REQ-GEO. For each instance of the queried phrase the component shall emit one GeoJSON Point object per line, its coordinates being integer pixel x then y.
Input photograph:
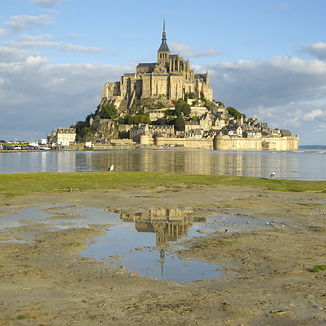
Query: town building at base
{"type": "Point", "coordinates": [62, 136]}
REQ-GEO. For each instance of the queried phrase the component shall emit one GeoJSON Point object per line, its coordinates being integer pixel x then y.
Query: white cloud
{"type": "Point", "coordinates": [74, 35]}
{"type": "Point", "coordinates": [25, 22]}
{"type": "Point", "coordinates": [8, 54]}
{"type": "Point", "coordinates": [283, 6]}
{"type": "Point", "coordinates": [314, 114]}
{"type": "Point", "coordinates": [128, 37]}
{"type": "Point", "coordinates": [276, 81]}
{"type": "Point", "coordinates": [47, 3]}
{"type": "Point", "coordinates": [77, 48]}
{"type": "Point", "coordinates": [35, 61]}
{"type": "Point", "coordinates": [36, 97]}
{"type": "Point", "coordinates": [188, 52]}
{"type": "Point", "coordinates": [317, 50]}
{"type": "Point", "coordinates": [28, 41]}
{"type": "Point", "coordinates": [284, 92]}
{"type": "Point", "coordinates": [3, 32]}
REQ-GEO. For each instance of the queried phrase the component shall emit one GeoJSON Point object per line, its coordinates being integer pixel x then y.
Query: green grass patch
{"type": "Point", "coordinates": [17, 184]}
{"type": "Point", "coordinates": [199, 246]}
{"type": "Point", "coordinates": [226, 242]}
{"type": "Point", "coordinates": [72, 244]}
{"type": "Point", "coordinates": [26, 265]}
{"type": "Point", "coordinates": [214, 244]}
{"type": "Point", "coordinates": [318, 268]}
{"type": "Point", "coordinates": [22, 317]}
{"type": "Point", "coordinates": [311, 204]}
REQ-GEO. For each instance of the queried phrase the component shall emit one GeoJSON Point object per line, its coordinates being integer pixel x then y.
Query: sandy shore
{"type": "Point", "coordinates": [266, 277]}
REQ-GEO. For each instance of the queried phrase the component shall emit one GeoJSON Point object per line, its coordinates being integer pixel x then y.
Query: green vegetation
{"type": "Point", "coordinates": [109, 111]}
{"type": "Point", "coordinates": [22, 317]}
{"type": "Point", "coordinates": [199, 246]}
{"type": "Point", "coordinates": [234, 112]}
{"type": "Point", "coordinates": [72, 244]}
{"type": "Point", "coordinates": [210, 105]}
{"type": "Point", "coordinates": [26, 266]}
{"type": "Point", "coordinates": [12, 185]}
{"type": "Point", "coordinates": [182, 108]}
{"type": "Point", "coordinates": [226, 242]}
{"type": "Point", "coordinates": [179, 124]}
{"type": "Point", "coordinates": [310, 204]}
{"type": "Point", "coordinates": [136, 119]}
{"type": "Point", "coordinates": [190, 95]}
{"type": "Point", "coordinates": [215, 244]}
{"type": "Point", "coordinates": [318, 268]}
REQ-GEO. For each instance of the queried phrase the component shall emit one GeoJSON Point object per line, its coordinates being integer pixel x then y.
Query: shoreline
{"type": "Point", "coordinates": [266, 277]}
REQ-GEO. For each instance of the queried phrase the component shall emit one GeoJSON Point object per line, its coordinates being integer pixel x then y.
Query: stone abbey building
{"type": "Point", "coordinates": [168, 78]}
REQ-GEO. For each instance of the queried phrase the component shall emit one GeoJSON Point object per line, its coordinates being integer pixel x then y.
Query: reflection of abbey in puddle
{"type": "Point", "coordinates": [167, 224]}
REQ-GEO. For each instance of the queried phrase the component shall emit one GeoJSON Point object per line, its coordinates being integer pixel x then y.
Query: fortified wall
{"type": "Point", "coordinates": [227, 143]}
{"type": "Point", "coordinates": [256, 144]}
{"type": "Point", "coordinates": [191, 143]}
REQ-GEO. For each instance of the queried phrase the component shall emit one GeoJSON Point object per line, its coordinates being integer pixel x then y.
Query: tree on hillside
{"type": "Point", "coordinates": [234, 112]}
{"type": "Point", "coordinates": [219, 103]}
{"type": "Point", "coordinates": [190, 95]}
{"type": "Point", "coordinates": [136, 119]}
{"type": "Point", "coordinates": [182, 108]}
{"type": "Point", "coordinates": [179, 124]}
{"type": "Point", "coordinates": [210, 105]}
{"type": "Point", "coordinates": [108, 111]}
{"type": "Point", "coordinates": [161, 121]}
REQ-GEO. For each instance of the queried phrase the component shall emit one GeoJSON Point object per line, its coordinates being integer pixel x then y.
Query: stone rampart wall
{"type": "Point", "coordinates": [256, 144]}
{"type": "Point", "coordinates": [230, 143]}
{"type": "Point", "coordinates": [194, 143]}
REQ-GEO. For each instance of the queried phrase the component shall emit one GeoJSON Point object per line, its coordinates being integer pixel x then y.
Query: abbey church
{"type": "Point", "coordinates": [170, 78]}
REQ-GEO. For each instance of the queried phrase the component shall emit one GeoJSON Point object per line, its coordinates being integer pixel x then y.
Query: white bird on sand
{"type": "Point", "coordinates": [111, 168]}
{"type": "Point", "coordinates": [273, 175]}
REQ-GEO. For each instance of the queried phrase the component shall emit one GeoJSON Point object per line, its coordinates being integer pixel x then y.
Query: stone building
{"type": "Point", "coordinates": [63, 136]}
{"type": "Point", "coordinates": [138, 131]}
{"type": "Point", "coordinates": [170, 78]}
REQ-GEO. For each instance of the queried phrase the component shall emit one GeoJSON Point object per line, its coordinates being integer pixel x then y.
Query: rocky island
{"type": "Point", "coordinates": [166, 103]}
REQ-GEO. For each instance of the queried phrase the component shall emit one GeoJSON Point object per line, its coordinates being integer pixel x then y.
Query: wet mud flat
{"type": "Point", "coordinates": [266, 274]}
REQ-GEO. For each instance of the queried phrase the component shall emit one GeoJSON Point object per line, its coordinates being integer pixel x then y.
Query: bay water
{"type": "Point", "coordinates": [296, 165]}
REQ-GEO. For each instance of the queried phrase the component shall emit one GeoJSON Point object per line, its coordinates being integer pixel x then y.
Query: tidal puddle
{"type": "Point", "coordinates": [142, 242]}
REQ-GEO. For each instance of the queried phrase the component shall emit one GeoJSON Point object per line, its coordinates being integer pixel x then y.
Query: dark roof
{"type": "Point", "coordinates": [163, 47]}
{"type": "Point", "coordinates": [146, 64]}
{"type": "Point", "coordinates": [286, 132]}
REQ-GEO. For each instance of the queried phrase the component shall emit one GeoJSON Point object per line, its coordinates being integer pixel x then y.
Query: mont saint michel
{"type": "Point", "coordinates": [166, 103]}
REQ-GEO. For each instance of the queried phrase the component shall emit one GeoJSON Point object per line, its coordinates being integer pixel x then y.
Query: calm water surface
{"type": "Point", "coordinates": [300, 165]}
{"type": "Point", "coordinates": [134, 241]}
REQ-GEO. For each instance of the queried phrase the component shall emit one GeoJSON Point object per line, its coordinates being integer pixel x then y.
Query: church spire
{"type": "Point", "coordinates": [164, 47]}
{"type": "Point", "coordinates": [164, 32]}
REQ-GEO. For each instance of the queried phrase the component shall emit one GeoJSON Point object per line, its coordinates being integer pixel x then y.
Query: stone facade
{"type": "Point", "coordinates": [144, 133]}
{"type": "Point", "coordinates": [232, 143]}
{"type": "Point", "coordinates": [63, 136]}
{"type": "Point", "coordinates": [169, 78]}
{"type": "Point", "coordinates": [189, 142]}
{"type": "Point", "coordinates": [224, 142]}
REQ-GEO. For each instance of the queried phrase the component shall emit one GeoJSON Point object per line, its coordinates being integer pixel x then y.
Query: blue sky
{"type": "Point", "coordinates": [266, 58]}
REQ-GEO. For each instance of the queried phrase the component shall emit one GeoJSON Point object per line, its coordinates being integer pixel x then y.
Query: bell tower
{"type": "Point", "coordinates": [163, 53]}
